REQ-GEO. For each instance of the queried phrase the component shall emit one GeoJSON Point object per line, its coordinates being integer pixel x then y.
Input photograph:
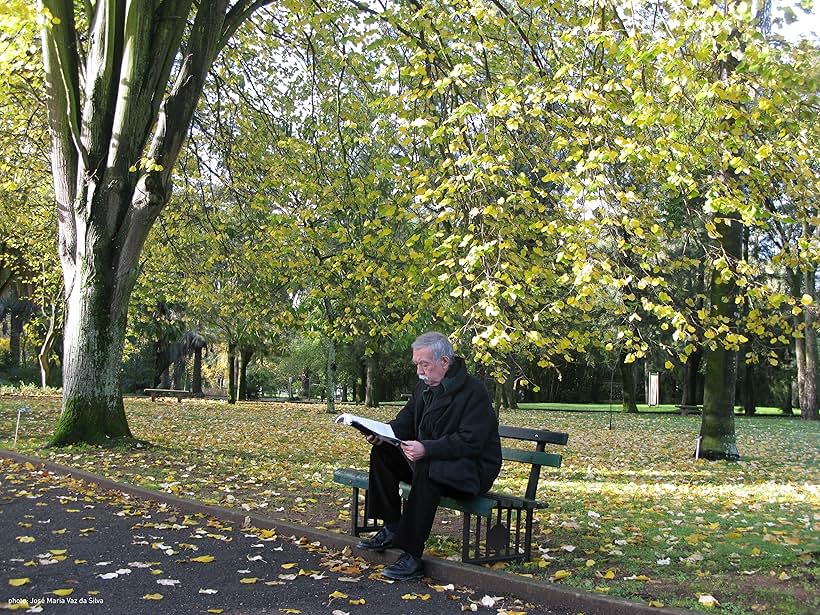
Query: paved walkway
{"type": "Point", "coordinates": [70, 546]}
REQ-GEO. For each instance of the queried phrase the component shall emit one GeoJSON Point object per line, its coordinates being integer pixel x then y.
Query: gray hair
{"type": "Point", "coordinates": [437, 342]}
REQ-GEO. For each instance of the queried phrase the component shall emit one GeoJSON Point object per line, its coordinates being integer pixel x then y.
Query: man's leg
{"type": "Point", "coordinates": [419, 511]}
{"type": "Point", "coordinates": [388, 467]}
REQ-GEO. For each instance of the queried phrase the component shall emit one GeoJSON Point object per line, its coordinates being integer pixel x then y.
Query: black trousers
{"type": "Point", "coordinates": [388, 466]}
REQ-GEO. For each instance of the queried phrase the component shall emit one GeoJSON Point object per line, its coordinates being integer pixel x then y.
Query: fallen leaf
{"type": "Point", "coordinates": [708, 600]}
{"type": "Point", "coordinates": [19, 582]}
{"type": "Point", "coordinates": [203, 559]}
{"type": "Point", "coordinates": [152, 597]}
{"type": "Point", "coordinates": [248, 580]}
{"type": "Point", "coordinates": [63, 592]}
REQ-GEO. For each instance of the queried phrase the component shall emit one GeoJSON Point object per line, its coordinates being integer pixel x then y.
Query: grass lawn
{"type": "Point", "coordinates": [632, 514]}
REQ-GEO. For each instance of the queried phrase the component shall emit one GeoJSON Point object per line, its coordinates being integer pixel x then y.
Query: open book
{"type": "Point", "coordinates": [369, 427]}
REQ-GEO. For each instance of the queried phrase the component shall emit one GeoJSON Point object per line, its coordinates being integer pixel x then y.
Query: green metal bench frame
{"type": "Point", "coordinates": [497, 526]}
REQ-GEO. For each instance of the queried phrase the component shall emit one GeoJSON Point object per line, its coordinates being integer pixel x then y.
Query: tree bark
{"type": "Point", "coordinates": [628, 386]}
{"type": "Point", "coordinates": [196, 376]}
{"type": "Point", "coordinates": [15, 337]}
{"type": "Point", "coordinates": [44, 356]}
{"type": "Point", "coordinates": [807, 377]}
{"type": "Point", "coordinates": [231, 372]}
{"type": "Point", "coordinates": [305, 389]}
{"type": "Point", "coordinates": [691, 379]}
{"type": "Point", "coordinates": [370, 397]}
{"type": "Point", "coordinates": [717, 429]}
{"type": "Point", "coordinates": [331, 377]}
{"type": "Point", "coordinates": [94, 336]}
{"type": "Point", "coordinates": [245, 355]}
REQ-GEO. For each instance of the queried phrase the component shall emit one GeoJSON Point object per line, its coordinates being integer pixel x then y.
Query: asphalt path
{"type": "Point", "coordinates": [69, 546]}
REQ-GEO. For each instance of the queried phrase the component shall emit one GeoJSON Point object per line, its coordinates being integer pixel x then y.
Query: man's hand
{"type": "Point", "coordinates": [413, 450]}
{"type": "Point", "coordinates": [374, 440]}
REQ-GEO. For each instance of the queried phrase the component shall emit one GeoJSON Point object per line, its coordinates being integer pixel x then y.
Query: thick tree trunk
{"type": "Point", "coordinates": [196, 376]}
{"type": "Point", "coordinates": [331, 377]}
{"type": "Point", "coordinates": [305, 389]}
{"type": "Point", "coordinates": [179, 370]}
{"type": "Point", "coordinates": [93, 341]}
{"type": "Point", "coordinates": [628, 385]}
{"type": "Point", "coordinates": [245, 356]}
{"type": "Point", "coordinates": [747, 387]}
{"type": "Point", "coordinates": [370, 398]}
{"type": "Point", "coordinates": [717, 429]}
{"type": "Point", "coordinates": [231, 373]}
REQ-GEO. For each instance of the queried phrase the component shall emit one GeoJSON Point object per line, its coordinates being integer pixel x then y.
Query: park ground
{"type": "Point", "coordinates": [632, 514]}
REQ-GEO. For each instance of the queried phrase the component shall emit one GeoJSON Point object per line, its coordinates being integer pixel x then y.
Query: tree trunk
{"type": "Point", "coordinates": [44, 356]}
{"type": "Point", "coordinates": [747, 385]}
{"type": "Point", "coordinates": [304, 393]}
{"type": "Point", "coordinates": [628, 385]}
{"type": "Point", "coordinates": [717, 429]}
{"type": "Point", "coordinates": [331, 377]}
{"type": "Point", "coordinates": [807, 363]}
{"type": "Point", "coordinates": [196, 375]}
{"type": "Point", "coordinates": [15, 337]}
{"type": "Point", "coordinates": [245, 355]}
{"type": "Point", "coordinates": [231, 372]}
{"type": "Point", "coordinates": [179, 370]}
{"type": "Point", "coordinates": [691, 379]}
{"type": "Point", "coordinates": [370, 398]}
{"type": "Point", "coordinates": [92, 359]}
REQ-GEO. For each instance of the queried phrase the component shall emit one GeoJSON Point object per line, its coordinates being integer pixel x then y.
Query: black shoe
{"type": "Point", "coordinates": [381, 541]}
{"type": "Point", "coordinates": [406, 568]}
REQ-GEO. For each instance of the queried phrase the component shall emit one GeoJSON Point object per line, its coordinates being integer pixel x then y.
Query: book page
{"type": "Point", "coordinates": [377, 428]}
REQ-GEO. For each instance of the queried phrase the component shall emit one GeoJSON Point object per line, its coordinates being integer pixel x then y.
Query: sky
{"type": "Point", "coordinates": [807, 25]}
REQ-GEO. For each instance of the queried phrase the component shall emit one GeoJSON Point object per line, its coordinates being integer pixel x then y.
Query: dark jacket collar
{"type": "Point", "coordinates": [455, 377]}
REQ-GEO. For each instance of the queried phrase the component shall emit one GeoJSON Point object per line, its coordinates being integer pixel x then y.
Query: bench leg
{"type": "Point", "coordinates": [354, 512]}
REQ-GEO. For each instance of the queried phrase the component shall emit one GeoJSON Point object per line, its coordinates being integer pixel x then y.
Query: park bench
{"type": "Point", "coordinates": [179, 394]}
{"type": "Point", "coordinates": [686, 409]}
{"type": "Point", "coordinates": [496, 526]}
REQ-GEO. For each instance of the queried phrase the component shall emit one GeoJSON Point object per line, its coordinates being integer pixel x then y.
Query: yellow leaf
{"type": "Point", "coordinates": [28, 466]}
{"type": "Point", "coordinates": [784, 577]}
{"type": "Point", "coordinates": [733, 535]}
{"type": "Point", "coordinates": [338, 594]}
{"type": "Point", "coordinates": [590, 563]}
{"type": "Point", "coordinates": [609, 574]}
{"type": "Point", "coordinates": [19, 582]}
{"type": "Point", "coordinates": [57, 551]}
{"type": "Point", "coordinates": [289, 566]}
{"type": "Point", "coordinates": [216, 611]}
{"type": "Point", "coordinates": [357, 601]}
{"type": "Point", "coordinates": [656, 603]}
{"type": "Point", "coordinates": [294, 611]}
{"type": "Point", "coordinates": [23, 604]}
{"type": "Point", "coordinates": [152, 597]}
{"type": "Point", "coordinates": [26, 539]}
{"type": "Point", "coordinates": [63, 592]}
{"type": "Point", "coordinates": [806, 300]}
{"type": "Point", "coordinates": [560, 574]}
{"type": "Point", "coordinates": [249, 580]}
{"type": "Point", "coordinates": [203, 559]}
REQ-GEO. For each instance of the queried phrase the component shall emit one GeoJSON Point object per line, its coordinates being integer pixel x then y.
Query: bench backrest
{"type": "Point", "coordinates": [536, 458]}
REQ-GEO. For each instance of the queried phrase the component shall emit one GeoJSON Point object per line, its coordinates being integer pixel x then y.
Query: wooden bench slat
{"type": "Point", "coordinates": [534, 435]}
{"type": "Point", "coordinates": [536, 458]}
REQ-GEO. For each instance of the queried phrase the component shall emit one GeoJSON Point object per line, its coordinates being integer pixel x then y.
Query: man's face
{"type": "Point", "coordinates": [430, 371]}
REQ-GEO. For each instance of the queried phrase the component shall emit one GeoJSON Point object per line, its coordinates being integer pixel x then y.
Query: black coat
{"type": "Point", "coordinates": [459, 430]}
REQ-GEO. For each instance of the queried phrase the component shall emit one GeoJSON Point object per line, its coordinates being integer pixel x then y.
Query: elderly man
{"type": "Point", "coordinates": [450, 447]}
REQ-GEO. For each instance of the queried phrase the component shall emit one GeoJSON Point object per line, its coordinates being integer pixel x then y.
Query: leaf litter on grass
{"type": "Point", "coordinates": [631, 499]}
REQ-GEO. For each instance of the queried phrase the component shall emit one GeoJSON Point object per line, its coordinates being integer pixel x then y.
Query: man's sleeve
{"type": "Point", "coordinates": [474, 430]}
